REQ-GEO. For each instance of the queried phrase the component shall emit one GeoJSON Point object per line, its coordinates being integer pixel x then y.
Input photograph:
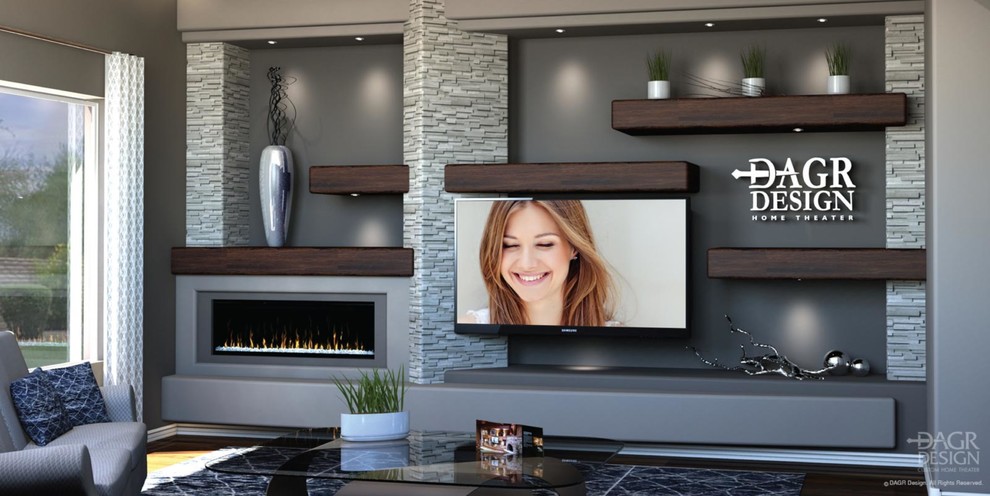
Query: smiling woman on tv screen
{"type": "Point", "coordinates": [540, 266]}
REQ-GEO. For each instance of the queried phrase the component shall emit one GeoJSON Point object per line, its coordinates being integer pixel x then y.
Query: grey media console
{"type": "Point", "coordinates": [697, 406]}
{"type": "Point", "coordinates": [691, 406]}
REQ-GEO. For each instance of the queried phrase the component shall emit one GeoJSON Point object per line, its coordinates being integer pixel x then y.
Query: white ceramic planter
{"type": "Point", "coordinates": [753, 86]}
{"type": "Point", "coordinates": [658, 90]}
{"type": "Point", "coordinates": [838, 85]}
{"type": "Point", "coordinates": [275, 190]}
{"type": "Point", "coordinates": [374, 426]}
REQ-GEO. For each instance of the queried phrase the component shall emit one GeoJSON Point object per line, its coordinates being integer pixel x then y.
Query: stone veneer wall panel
{"type": "Point", "coordinates": [905, 72]}
{"type": "Point", "coordinates": [217, 142]}
{"type": "Point", "coordinates": [455, 111]}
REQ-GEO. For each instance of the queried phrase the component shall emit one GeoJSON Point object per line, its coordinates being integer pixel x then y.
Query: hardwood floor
{"type": "Point", "coordinates": [178, 449]}
{"type": "Point", "coordinates": [820, 480]}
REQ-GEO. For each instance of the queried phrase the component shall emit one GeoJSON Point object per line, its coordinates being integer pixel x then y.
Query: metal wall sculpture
{"type": "Point", "coordinates": [770, 363]}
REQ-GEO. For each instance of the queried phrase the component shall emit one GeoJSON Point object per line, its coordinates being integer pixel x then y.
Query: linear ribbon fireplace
{"type": "Point", "coordinates": [279, 327]}
{"type": "Point", "coordinates": [290, 329]}
{"type": "Point", "coordinates": [293, 328]}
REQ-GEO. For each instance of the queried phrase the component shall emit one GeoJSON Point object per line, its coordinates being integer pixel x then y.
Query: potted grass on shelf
{"type": "Point", "coordinates": [837, 56]}
{"type": "Point", "coordinates": [753, 61]}
{"type": "Point", "coordinates": [375, 401]}
{"type": "Point", "coordinates": [658, 65]}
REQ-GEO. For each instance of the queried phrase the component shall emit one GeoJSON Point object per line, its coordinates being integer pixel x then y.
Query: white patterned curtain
{"type": "Point", "coordinates": [124, 224]}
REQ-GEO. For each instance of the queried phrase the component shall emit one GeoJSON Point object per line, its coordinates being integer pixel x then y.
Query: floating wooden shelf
{"type": "Point", "coordinates": [592, 177]}
{"type": "Point", "coordinates": [249, 260]}
{"type": "Point", "coordinates": [358, 179]}
{"type": "Point", "coordinates": [768, 114]}
{"type": "Point", "coordinates": [816, 263]}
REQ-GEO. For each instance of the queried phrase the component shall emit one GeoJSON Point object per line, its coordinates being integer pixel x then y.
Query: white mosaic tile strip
{"type": "Point", "coordinates": [905, 72]}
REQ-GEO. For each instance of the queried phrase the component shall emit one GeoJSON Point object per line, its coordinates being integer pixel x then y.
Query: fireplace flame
{"type": "Point", "coordinates": [295, 341]}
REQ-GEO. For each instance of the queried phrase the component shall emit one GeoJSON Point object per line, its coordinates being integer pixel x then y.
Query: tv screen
{"type": "Point", "coordinates": [576, 267]}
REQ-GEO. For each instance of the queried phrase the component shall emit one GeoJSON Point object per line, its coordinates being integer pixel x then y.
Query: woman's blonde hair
{"type": "Point", "coordinates": [588, 289]}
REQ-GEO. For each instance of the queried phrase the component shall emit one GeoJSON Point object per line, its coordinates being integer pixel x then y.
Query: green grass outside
{"type": "Point", "coordinates": [47, 354]}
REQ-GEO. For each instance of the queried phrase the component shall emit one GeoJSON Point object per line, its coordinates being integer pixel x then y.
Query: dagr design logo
{"type": "Point", "coordinates": [957, 449]}
{"type": "Point", "coordinates": [821, 192]}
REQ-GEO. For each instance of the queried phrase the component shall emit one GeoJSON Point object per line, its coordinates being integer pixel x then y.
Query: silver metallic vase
{"type": "Point", "coordinates": [275, 179]}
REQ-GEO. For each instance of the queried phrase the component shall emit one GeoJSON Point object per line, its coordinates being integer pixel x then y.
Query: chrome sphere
{"type": "Point", "coordinates": [859, 367]}
{"type": "Point", "coordinates": [837, 362]}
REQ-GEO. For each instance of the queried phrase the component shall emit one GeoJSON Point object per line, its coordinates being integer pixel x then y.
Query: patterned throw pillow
{"type": "Point", "coordinates": [39, 408]}
{"type": "Point", "coordinates": [80, 394]}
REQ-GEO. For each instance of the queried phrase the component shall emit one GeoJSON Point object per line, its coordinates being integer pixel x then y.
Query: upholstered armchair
{"type": "Point", "coordinates": [106, 458]}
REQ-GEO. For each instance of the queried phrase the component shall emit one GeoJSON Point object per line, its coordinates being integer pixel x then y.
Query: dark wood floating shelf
{"type": "Point", "coordinates": [816, 263]}
{"type": "Point", "coordinates": [768, 114]}
{"type": "Point", "coordinates": [591, 177]}
{"type": "Point", "coordinates": [263, 261]}
{"type": "Point", "coordinates": [359, 179]}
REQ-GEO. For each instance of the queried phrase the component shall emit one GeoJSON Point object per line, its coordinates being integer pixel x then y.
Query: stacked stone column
{"type": "Point", "coordinates": [217, 141]}
{"type": "Point", "coordinates": [905, 73]}
{"type": "Point", "coordinates": [455, 111]}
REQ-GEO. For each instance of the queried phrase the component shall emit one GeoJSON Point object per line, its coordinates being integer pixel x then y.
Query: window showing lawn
{"type": "Point", "coordinates": [41, 354]}
{"type": "Point", "coordinates": [46, 155]}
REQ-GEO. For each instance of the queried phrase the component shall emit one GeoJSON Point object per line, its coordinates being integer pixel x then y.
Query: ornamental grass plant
{"type": "Point", "coordinates": [658, 65]}
{"type": "Point", "coordinates": [753, 61]}
{"type": "Point", "coordinates": [837, 57]}
{"type": "Point", "coordinates": [375, 392]}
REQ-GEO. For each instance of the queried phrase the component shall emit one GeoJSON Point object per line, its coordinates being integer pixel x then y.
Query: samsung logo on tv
{"type": "Point", "coordinates": [568, 330]}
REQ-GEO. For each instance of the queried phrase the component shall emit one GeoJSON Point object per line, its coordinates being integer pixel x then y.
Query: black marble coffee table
{"type": "Point", "coordinates": [427, 463]}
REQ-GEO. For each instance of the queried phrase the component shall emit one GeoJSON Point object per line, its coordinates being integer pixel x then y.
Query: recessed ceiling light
{"type": "Point", "coordinates": [359, 38]}
{"type": "Point", "coordinates": [822, 19]}
{"type": "Point", "coordinates": [798, 129]}
{"type": "Point", "coordinates": [560, 30]}
{"type": "Point", "coordinates": [272, 42]}
{"type": "Point", "coordinates": [709, 24]}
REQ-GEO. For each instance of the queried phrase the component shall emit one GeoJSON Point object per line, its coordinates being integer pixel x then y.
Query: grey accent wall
{"type": "Point", "coordinates": [28, 61]}
{"type": "Point", "coordinates": [216, 145]}
{"type": "Point", "coordinates": [147, 29]}
{"type": "Point", "coordinates": [456, 104]}
{"type": "Point", "coordinates": [958, 116]}
{"type": "Point", "coordinates": [561, 91]}
{"type": "Point", "coordinates": [347, 103]}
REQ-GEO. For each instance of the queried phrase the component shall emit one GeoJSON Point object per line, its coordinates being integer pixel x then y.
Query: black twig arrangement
{"type": "Point", "coordinates": [279, 106]}
{"type": "Point", "coordinates": [713, 87]}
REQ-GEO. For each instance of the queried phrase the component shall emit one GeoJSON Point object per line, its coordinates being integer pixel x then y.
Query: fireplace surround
{"type": "Point", "coordinates": [381, 302]}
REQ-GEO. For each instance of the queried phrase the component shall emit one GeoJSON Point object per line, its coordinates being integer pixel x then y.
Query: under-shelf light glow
{"type": "Point", "coordinates": [585, 368]}
{"type": "Point", "coordinates": [272, 42]}
{"type": "Point", "coordinates": [798, 129]}
{"type": "Point", "coordinates": [709, 24]}
{"type": "Point", "coordinates": [822, 19]}
{"type": "Point", "coordinates": [359, 38]}
{"type": "Point", "coordinates": [560, 30]}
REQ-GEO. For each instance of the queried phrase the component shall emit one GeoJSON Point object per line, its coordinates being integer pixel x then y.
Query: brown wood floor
{"type": "Point", "coordinates": [820, 480]}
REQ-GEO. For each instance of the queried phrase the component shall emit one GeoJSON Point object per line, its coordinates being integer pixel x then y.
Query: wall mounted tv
{"type": "Point", "coordinates": [531, 266]}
